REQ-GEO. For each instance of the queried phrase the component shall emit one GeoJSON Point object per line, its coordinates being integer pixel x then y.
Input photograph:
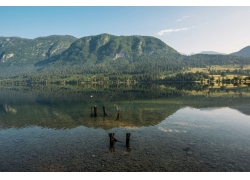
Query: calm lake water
{"type": "Point", "coordinates": [173, 127]}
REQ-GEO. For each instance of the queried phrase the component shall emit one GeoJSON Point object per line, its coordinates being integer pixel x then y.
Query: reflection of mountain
{"type": "Point", "coordinates": [144, 105]}
{"type": "Point", "coordinates": [71, 115]}
{"type": "Point", "coordinates": [208, 109]}
{"type": "Point", "coordinates": [245, 109]}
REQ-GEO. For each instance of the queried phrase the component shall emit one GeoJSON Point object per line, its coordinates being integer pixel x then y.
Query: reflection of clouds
{"type": "Point", "coordinates": [170, 130]}
{"type": "Point", "coordinates": [190, 125]}
{"type": "Point", "coordinates": [9, 109]}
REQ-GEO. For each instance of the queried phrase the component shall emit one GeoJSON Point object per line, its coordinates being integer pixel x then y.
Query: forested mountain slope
{"type": "Point", "coordinates": [245, 52]}
{"type": "Point", "coordinates": [16, 50]}
{"type": "Point", "coordinates": [104, 54]}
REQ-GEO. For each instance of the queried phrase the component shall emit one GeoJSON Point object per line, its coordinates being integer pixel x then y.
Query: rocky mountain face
{"type": "Point", "coordinates": [90, 49]}
{"type": "Point", "coordinates": [26, 57]}
{"type": "Point", "coordinates": [20, 50]}
{"type": "Point", "coordinates": [109, 47]}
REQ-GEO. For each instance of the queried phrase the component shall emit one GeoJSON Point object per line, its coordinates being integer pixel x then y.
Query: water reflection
{"type": "Point", "coordinates": [40, 108]}
{"type": "Point", "coordinates": [9, 109]}
{"type": "Point", "coordinates": [188, 140]}
{"type": "Point", "coordinates": [159, 128]}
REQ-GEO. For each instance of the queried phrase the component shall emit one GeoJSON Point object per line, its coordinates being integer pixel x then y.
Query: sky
{"type": "Point", "coordinates": [187, 29]}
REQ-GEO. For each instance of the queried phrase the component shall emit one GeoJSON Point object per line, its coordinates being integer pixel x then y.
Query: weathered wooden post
{"type": "Point", "coordinates": [127, 141]}
{"type": "Point", "coordinates": [118, 117]}
{"type": "Point", "coordinates": [104, 111]}
{"type": "Point", "coordinates": [112, 141]}
{"type": "Point", "coordinates": [95, 111]}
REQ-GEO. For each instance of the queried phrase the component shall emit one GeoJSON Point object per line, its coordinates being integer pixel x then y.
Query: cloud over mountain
{"type": "Point", "coordinates": [168, 31]}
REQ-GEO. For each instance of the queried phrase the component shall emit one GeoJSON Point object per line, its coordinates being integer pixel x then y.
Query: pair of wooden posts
{"type": "Point", "coordinates": [112, 141]}
{"type": "Point", "coordinates": [104, 113]}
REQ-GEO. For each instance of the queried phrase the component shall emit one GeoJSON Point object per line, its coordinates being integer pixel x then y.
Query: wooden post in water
{"type": "Point", "coordinates": [118, 117]}
{"type": "Point", "coordinates": [95, 111]}
{"type": "Point", "coordinates": [127, 141]}
{"type": "Point", "coordinates": [112, 142]}
{"type": "Point", "coordinates": [104, 111]}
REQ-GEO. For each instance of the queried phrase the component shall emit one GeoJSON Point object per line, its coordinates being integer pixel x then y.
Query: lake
{"type": "Point", "coordinates": [173, 127]}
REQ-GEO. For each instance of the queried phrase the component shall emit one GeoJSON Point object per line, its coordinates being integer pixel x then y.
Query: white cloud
{"type": "Point", "coordinates": [184, 17]}
{"type": "Point", "coordinates": [172, 30]}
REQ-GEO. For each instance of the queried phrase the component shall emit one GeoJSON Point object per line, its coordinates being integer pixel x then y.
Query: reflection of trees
{"type": "Point", "coordinates": [191, 86]}
{"type": "Point", "coordinates": [141, 105]}
{"type": "Point", "coordinates": [91, 93]}
{"type": "Point", "coordinates": [73, 114]}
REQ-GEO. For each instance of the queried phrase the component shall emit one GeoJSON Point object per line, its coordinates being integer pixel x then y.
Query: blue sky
{"type": "Point", "coordinates": [187, 29]}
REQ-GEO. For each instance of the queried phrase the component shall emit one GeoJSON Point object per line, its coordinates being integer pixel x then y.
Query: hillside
{"type": "Point", "coordinates": [245, 52]}
{"type": "Point", "coordinates": [102, 53]}
{"type": "Point", "coordinates": [105, 48]}
{"type": "Point", "coordinates": [16, 50]}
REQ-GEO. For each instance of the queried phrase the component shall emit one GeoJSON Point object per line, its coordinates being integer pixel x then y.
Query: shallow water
{"type": "Point", "coordinates": [176, 133]}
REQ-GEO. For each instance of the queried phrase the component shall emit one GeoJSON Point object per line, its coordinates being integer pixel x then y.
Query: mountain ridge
{"type": "Point", "coordinates": [211, 52]}
{"type": "Point", "coordinates": [15, 49]}
{"type": "Point", "coordinates": [62, 56]}
{"type": "Point", "coordinates": [96, 48]}
{"type": "Point", "coordinates": [103, 46]}
{"type": "Point", "coordinates": [244, 52]}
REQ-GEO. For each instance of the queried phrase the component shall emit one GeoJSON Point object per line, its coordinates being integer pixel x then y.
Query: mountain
{"type": "Point", "coordinates": [188, 54]}
{"type": "Point", "coordinates": [16, 50]}
{"type": "Point", "coordinates": [204, 52]}
{"type": "Point", "coordinates": [184, 54]}
{"type": "Point", "coordinates": [104, 53]}
{"type": "Point", "coordinates": [210, 52]}
{"type": "Point", "coordinates": [90, 49]}
{"type": "Point", "coordinates": [58, 57]}
{"type": "Point", "coordinates": [245, 52]}
{"type": "Point", "coordinates": [106, 47]}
